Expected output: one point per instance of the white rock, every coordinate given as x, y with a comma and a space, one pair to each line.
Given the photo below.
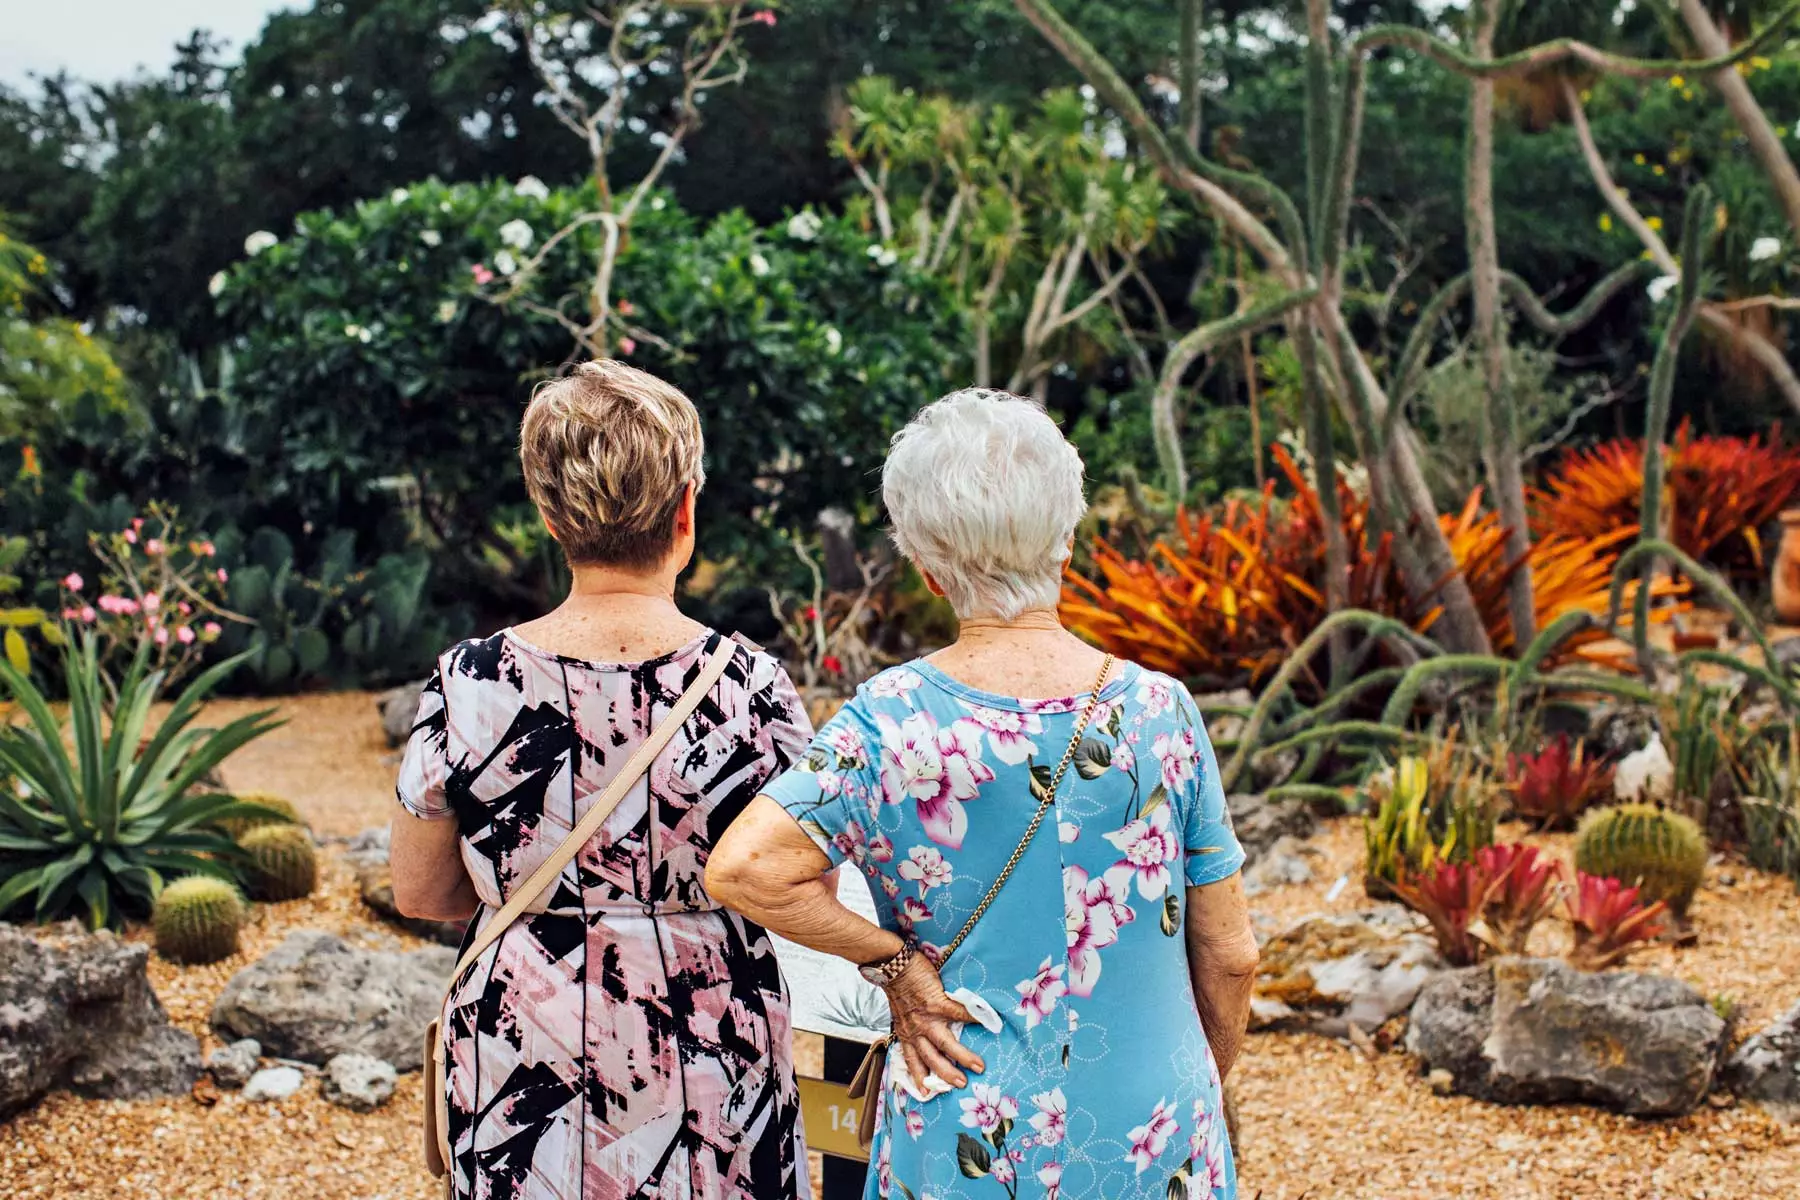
1646, 774
274, 1083
358, 1082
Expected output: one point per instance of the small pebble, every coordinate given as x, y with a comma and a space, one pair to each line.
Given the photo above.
233, 1065
273, 1083
1441, 1082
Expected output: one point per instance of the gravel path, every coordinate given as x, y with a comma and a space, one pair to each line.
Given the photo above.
1319, 1120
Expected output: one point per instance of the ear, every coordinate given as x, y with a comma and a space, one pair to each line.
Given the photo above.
548, 527
931, 585
684, 515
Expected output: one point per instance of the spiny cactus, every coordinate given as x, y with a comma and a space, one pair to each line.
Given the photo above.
1661, 853
283, 864
236, 827
197, 920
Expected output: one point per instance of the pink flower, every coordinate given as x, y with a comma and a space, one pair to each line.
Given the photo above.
161, 636
207, 549
70, 614
131, 536
1176, 752
627, 345
1156, 697
915, 1122
832, 663
1050, 1175
184, 608
74, 582
987, 1108
211, 629
811, 613
1093, 911
1210, 1173
1003, 1170
890, 888
1124, 758
152, 602
118, 606
1152, 1137
137, 523
881, 847
853, 843
940, 769
482, 275
185, 635
912, 912
764, 18
1051, 1120
1039, 994
153, 547
927, 867
626, 308
222, 576
88, 615
1149, 848
1008, 732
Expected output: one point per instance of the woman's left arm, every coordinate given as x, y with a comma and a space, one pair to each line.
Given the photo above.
430, 880
768, 869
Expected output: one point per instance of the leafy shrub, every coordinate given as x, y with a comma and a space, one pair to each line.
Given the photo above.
1554, 785
1428, 810
97, 831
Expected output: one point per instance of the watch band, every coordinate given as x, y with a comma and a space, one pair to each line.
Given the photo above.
884, 971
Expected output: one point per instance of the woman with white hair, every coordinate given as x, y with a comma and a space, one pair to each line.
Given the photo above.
1027, 811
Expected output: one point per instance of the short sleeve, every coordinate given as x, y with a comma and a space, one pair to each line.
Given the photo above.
426, 764
832, 790
779, 725
1209, 844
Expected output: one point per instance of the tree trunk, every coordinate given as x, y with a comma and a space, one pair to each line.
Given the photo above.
1193, 16
1500, 420
1734, 89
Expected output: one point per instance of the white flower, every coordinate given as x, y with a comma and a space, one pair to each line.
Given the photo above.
759, 266
515, 233
259, 241
505, 263
1659, 289
882, 255
834, 341
431, 237
216, 284
398, 195
657, 203
1764, 248
446, 312
359, 333
531, 187
804, 226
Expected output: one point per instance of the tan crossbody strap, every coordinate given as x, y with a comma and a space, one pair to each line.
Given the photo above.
542, 879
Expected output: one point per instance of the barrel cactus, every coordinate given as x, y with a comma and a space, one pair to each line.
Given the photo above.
237, 827
197, 920
283, 863
1661, 853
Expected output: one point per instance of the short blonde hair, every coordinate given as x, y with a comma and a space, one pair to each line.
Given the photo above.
608, 452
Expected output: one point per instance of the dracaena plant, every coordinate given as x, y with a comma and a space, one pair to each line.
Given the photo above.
97, 811
1610, 922
1554, 785
1523, 887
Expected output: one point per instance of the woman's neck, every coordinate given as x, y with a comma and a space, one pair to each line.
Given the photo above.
591, 584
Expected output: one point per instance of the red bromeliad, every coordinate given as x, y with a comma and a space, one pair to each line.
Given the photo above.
1609, 921
1554, 785
1523, 888
1450, 896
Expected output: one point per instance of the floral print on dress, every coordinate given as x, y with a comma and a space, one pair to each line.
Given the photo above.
1100, 1082
629, 1037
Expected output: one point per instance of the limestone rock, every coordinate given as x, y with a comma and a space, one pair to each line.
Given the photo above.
1537, 1031
1260, 822
1767, 1067
273, 1083
399, 708
77, 1011
233, 1065
315, 996
1647, 775
1283, 864
1327, 973
358, 1082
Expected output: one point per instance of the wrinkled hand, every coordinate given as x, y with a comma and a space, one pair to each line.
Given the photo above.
923, 1019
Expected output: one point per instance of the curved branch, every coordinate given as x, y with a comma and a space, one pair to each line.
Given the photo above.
1598, 297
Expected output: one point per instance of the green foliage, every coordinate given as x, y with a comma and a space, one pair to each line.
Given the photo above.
96, 829
1436, 809
283, 863
1452, 398
1661, 853
197, 920
1771, 804
367, 335
47, 364
273, 810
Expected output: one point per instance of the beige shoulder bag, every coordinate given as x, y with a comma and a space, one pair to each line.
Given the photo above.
866, 1084
437, 1100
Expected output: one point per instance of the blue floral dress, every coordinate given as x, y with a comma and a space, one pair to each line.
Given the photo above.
1100, 1082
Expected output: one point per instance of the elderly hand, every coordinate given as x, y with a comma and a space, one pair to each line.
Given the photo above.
924, 1020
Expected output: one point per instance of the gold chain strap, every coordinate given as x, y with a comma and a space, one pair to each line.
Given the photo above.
1037, 819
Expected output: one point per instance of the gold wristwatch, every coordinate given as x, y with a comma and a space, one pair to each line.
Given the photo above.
884, 971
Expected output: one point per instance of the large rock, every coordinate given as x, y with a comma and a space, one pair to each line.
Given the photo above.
367, 855
1537, 1031
1327, 973
316, 996
399, 708
77, 1011
1767, 1067
1260, 822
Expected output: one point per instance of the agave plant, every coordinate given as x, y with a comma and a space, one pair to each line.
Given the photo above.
1610, 921
1553, 786
98, 815
1523, 886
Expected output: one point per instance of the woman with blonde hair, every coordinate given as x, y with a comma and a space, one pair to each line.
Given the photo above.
1046, 838
626, 1036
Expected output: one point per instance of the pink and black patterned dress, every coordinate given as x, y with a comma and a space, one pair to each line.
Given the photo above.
632, 1040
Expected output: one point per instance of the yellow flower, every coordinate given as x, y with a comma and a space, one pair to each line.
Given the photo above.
1687, 93
30, 468
1638, 159
1657, 169
1655, 223
37, 265
1605, 222
1676, 81
1759, 63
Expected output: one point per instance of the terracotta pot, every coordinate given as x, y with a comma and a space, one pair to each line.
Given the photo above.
1787, 569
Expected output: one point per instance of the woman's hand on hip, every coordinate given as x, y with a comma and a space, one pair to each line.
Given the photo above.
924, 1025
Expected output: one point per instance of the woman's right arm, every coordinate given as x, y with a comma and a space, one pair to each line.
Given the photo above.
1222, 960
768, 869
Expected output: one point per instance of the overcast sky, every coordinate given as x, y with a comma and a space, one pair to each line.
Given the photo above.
106, 40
